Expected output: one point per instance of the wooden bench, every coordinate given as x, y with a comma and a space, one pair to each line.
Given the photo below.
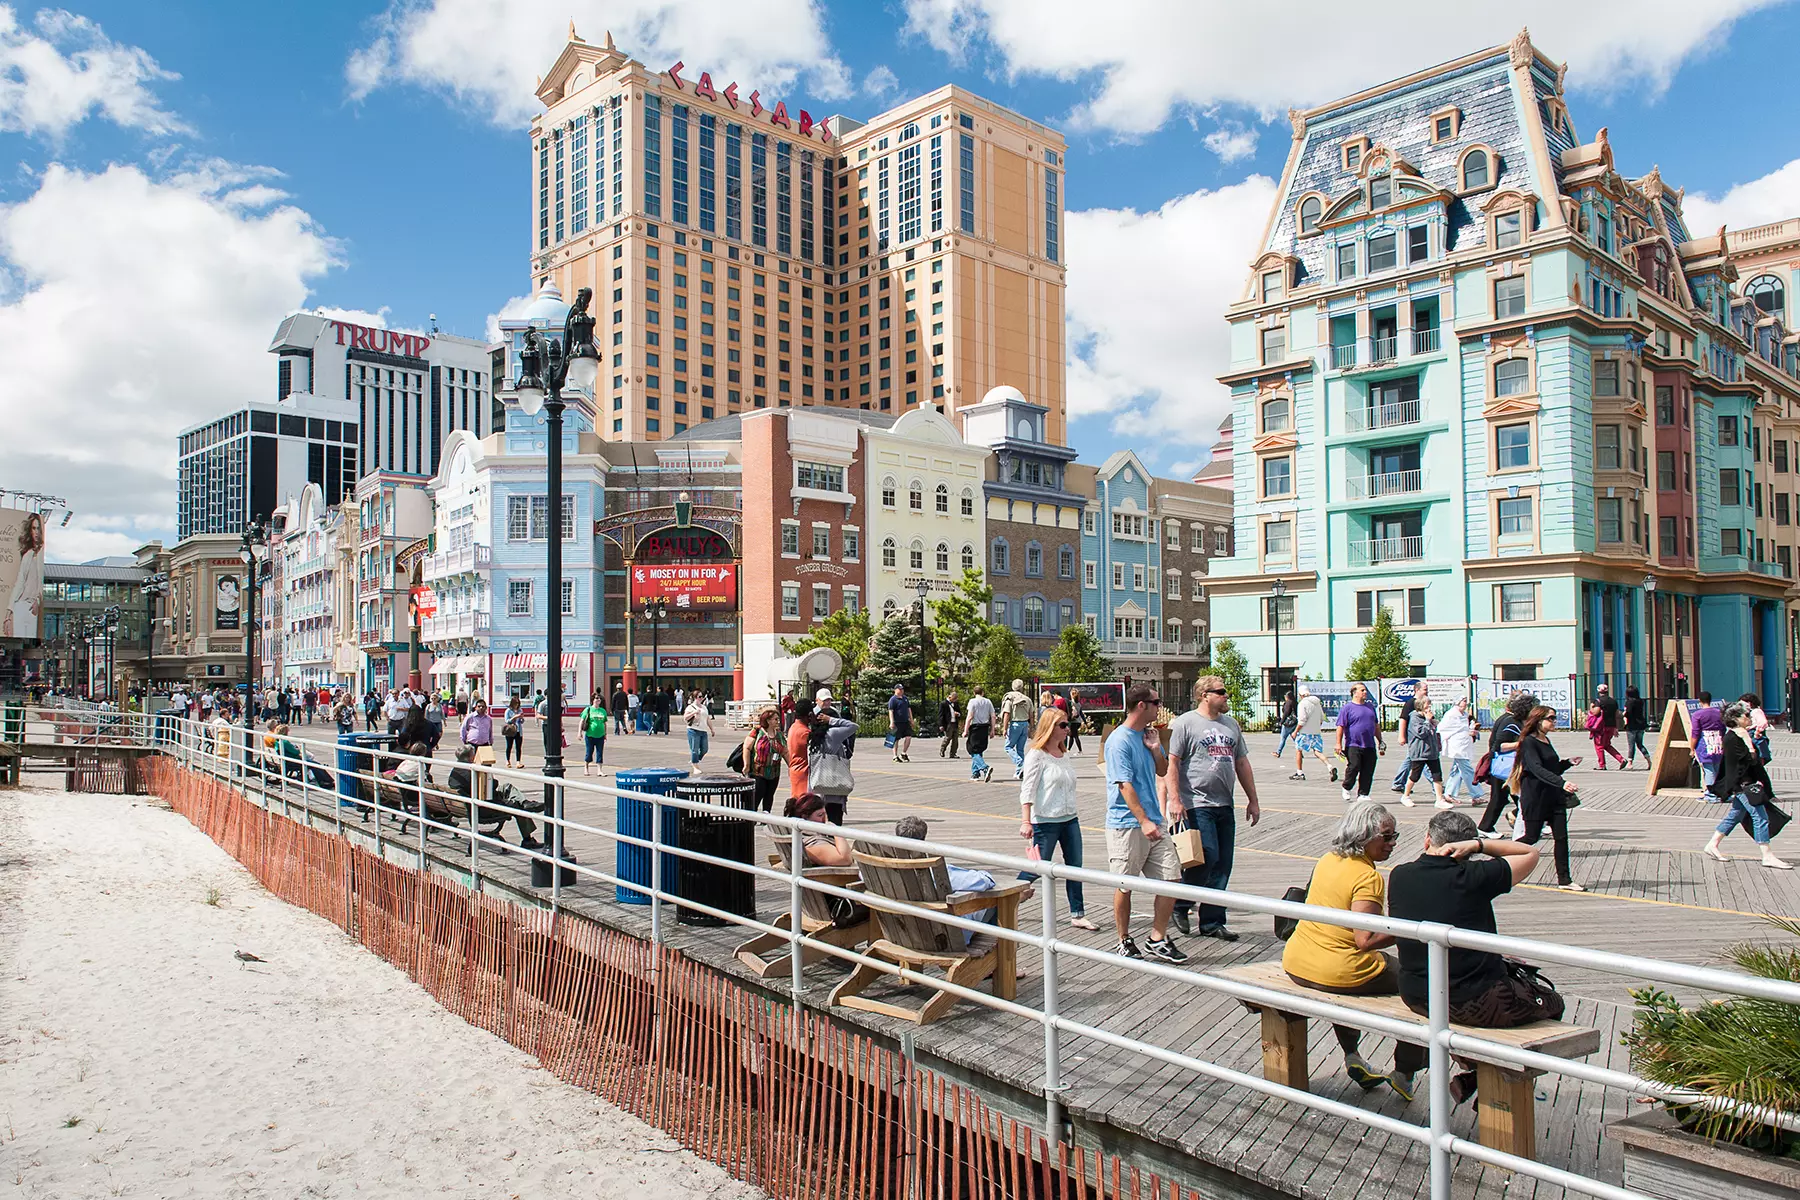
1505, 1110
815, 921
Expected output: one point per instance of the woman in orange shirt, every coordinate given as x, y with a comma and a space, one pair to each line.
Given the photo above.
797, 733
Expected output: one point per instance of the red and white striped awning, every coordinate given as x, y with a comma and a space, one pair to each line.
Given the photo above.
536, 662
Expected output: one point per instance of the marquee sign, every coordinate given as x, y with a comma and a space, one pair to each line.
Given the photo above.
777, 115
689, 586
690, 662
678, 544
381, 341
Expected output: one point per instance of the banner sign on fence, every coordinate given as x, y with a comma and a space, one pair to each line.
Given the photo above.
1333, 694
1094, 697
1443, 690
1491, 696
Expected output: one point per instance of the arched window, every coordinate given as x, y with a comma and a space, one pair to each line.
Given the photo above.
915, 555
1065, 563
915, 496
887, 492
968, 502
940, 499
1024, 429
1766, 292
887, 552
1512, 377
910, 131
1475, 170
1310, 210
943, 558
968, 557
1000, 556
1033, 614
887, 608
1034, 560
1277, 415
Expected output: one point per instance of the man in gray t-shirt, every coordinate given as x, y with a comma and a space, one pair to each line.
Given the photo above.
1207, 759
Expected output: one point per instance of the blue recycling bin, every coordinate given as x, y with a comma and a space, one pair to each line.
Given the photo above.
634, 821
350, 764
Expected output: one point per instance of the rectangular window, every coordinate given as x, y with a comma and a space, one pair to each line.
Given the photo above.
1118, 576
1515, 516
1278, 613
1730, 492
1512, 377
734, 197
1512, 447
1780, 502
1606, 378
759, 189
820, 477
1274, 344
1665, 470
1346, 261
790, 538
1606, 447
1667, 537
1778, 456
790, 600
1731, 541
966, 181
1508, 230
568, 597
1665, 406
517, 529
821, 601
652, 155
708, 172
1384, 252
1278, 476
1278, 539
1418, 244
1728, 431
852, 545
1518, 601
1090, 574
1509, 298
1611, 519
518, 597
821, 542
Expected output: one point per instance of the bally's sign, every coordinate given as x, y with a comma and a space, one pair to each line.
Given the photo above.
778, 115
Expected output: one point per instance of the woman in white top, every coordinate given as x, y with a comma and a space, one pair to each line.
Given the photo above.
26, 604
1457, 728
1047, 795
698, 716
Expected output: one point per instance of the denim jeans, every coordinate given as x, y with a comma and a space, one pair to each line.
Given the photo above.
1287, 731
1016, 733
1047, 836
1218, 834
596, 749
696, 744
1462, 775
977, 764
1759, 819
1707, 775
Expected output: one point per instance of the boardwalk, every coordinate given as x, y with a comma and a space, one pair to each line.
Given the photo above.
1653, 893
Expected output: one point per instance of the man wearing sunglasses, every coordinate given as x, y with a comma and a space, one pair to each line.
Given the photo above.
1207, 759
1137, 840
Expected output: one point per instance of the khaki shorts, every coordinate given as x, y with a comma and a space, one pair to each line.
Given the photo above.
1129, 852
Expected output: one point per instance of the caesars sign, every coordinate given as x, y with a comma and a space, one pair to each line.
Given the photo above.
688, 569
21, 572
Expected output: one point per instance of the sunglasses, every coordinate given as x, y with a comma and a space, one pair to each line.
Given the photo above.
1060, 725
1392, 835
1217, 692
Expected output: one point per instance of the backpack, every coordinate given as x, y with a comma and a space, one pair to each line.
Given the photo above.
735, 760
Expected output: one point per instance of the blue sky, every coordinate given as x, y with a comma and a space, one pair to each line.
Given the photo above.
183, 172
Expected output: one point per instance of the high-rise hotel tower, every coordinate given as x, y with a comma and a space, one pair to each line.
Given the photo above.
747, 254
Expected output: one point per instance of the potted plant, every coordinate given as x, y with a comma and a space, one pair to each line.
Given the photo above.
1744, 1049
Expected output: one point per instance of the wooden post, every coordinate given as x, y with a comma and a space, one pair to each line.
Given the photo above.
1505, 1106
1284, 1048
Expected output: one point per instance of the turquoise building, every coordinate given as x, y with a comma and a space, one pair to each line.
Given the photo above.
1484, 381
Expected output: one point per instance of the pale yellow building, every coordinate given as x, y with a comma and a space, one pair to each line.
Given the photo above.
746, 254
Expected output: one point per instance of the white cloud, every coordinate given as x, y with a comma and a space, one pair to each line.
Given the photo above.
1774, 197
1231, 142
1145, 58
880, 82
355, 316
146, 304
66, 71
488, 54
511, 308
1146, 296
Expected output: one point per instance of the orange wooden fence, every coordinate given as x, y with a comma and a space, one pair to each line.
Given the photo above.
798, 1106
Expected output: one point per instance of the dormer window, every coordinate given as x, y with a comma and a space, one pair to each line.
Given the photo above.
1310, 210
1476, 170
1509, 230
1446, 123
1354, 151
1273, 287
1381, 191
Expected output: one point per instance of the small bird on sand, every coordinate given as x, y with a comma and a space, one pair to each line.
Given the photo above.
244, 956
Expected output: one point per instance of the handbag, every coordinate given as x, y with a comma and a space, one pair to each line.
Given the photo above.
827, 773
1756, 792
1188, 845
1483, 766
1285, 926
735, 760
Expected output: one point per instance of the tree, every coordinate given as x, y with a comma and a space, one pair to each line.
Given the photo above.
1230, 665
1077, 657
893, 660
959, 628
1384, 652
1000, 662
844, 631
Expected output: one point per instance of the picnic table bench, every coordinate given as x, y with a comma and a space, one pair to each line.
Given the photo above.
1505, 1094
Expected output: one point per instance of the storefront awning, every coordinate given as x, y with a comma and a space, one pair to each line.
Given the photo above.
444, 666
472, 664
536, 662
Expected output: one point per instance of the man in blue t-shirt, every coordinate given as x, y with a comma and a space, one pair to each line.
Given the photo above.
1137, 841
900, 723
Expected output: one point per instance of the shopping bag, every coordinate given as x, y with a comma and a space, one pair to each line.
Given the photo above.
1188, 846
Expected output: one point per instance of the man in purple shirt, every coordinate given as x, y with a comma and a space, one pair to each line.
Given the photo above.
478, 726
1708, 730
1359, 740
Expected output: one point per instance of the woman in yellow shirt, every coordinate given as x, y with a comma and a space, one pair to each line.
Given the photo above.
1331, 958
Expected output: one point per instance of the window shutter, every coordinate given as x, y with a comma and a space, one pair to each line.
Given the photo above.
1365, 609
1415, 606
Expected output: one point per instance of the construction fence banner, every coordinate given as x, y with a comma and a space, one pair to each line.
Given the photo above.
1333, 694
1443, 691
1491, 696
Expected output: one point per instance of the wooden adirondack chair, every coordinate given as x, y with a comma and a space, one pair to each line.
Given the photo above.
913, 940
815, 921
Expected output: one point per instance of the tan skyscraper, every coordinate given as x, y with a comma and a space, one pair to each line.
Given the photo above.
746, 255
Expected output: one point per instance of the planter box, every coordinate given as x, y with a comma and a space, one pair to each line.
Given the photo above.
1662, 1159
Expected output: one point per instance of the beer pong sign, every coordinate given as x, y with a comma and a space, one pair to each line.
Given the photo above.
685, 586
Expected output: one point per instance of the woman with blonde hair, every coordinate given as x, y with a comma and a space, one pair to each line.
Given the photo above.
1047, 791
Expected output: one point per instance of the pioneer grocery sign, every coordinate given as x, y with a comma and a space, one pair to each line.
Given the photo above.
691, 586
803, 125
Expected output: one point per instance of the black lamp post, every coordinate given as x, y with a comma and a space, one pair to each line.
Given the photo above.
156, 585
655, 614
253, 550
1279, 588
923, 588
546, 365
109, 627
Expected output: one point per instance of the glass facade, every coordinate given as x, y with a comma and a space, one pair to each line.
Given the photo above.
652, 156
678, 164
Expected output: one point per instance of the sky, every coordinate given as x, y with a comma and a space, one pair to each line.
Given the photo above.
184, 173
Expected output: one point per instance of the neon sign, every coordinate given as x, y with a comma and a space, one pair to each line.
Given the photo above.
778, 115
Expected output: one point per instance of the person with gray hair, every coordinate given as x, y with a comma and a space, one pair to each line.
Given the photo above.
1455, 882
1348, 962
962, 879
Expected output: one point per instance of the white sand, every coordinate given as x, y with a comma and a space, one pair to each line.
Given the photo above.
324, 1072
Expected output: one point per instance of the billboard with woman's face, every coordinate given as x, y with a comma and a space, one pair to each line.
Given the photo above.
21, 572
225, 603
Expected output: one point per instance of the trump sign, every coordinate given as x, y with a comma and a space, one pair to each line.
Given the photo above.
685, 586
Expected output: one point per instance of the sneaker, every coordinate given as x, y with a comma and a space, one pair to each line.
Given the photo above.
1164, 950
906, 758
1334, 774
1398, 787
1403, 1084
1445, 804
1128, 949
1571, 886
1348, 797
1365, 1078
1184, 921
1298, 775
987, 776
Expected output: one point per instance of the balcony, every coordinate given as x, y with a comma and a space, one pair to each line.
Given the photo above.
447, 563
1343, 357
1384, 349
1377, 552
368, 587
368, 637
1394, 483
1771, 568
1426, 341
1138, 648
450, 627
1361, 419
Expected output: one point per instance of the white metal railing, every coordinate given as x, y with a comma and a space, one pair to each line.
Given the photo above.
289, 783
1372, 552
1384, 349
1343, 356
446, 563
446, 627
1359, 418
1389, 483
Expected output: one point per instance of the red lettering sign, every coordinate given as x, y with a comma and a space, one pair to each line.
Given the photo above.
424, 602
756, 108
805, 122
675, 74
382, 341
730, 94
689, 587
705, 86
779, 115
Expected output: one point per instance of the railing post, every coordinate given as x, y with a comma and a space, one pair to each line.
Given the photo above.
796, 864
1053, 1114
1437, 959
555, 814
372, 766
656, 870
419, 800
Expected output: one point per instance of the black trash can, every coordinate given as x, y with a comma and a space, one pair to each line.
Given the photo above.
722, 837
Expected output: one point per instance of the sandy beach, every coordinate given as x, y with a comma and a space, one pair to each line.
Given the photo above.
140, 1058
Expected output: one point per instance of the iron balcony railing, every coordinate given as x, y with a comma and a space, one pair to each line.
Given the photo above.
1425, 341
1392, 483
1384, 349
1361, 418
1343, 356
363, 796
1373, 552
